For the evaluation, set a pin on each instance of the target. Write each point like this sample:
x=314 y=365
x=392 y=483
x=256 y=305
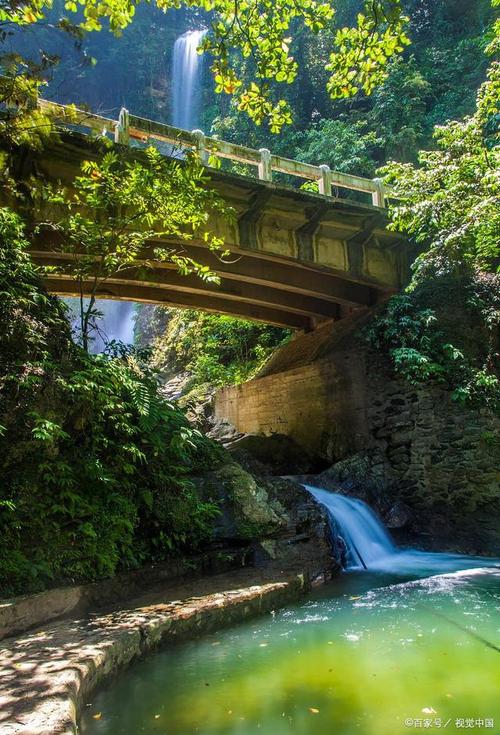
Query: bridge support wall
x=318 y=401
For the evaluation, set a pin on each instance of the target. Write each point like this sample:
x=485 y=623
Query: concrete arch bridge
x=299 y=259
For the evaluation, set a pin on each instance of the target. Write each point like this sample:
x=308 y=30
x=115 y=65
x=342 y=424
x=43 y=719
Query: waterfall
x=370 y=546
x=117 y=322
x=186 y=80
x=364 y=534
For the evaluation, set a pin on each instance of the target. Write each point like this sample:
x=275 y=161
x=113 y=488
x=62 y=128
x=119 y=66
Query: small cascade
x=368 y=542
x=187 y=65
x=369 y=545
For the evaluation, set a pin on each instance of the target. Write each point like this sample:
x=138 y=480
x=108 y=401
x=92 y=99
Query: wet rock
x=365 y=475
x=246 y=510
x=399 y=516
x=278 y=517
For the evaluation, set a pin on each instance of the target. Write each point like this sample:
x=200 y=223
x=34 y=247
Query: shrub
x=94 y=468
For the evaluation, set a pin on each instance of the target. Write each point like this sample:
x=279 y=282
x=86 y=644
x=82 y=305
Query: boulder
x=247 y=512
x=280 y=454
x=280 y=521
x=366 y=475
x=398 y=515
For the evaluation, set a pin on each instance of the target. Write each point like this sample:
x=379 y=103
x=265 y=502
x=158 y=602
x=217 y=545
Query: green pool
x=369 y=654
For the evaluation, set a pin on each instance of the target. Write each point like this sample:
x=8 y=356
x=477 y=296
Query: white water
x=370 y=545
x=117 y=322
x=187 y=66
x=365 y=536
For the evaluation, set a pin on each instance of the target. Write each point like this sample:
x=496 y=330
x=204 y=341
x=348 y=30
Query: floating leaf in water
x=314 y=711
x=263 y=645
x=97 y=716
x=157 y=717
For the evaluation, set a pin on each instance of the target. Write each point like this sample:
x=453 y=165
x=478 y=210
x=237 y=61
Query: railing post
x=122 y=127
x=200 y=146
x=325 y=182
x=378 y=196
x=265 y=170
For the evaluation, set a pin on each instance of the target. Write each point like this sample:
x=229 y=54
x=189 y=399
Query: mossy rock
x=247 y=511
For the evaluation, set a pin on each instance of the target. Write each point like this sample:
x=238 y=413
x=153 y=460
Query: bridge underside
x=297 y=259
x=250 y=288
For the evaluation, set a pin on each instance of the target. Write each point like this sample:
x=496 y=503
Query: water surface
x=369 y=654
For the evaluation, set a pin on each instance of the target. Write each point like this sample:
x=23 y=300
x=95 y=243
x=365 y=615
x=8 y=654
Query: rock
x=279 y=453
x=173 y=388
x=224 y=433
x=365 y=475
x=247 y=512
x=399 y=516
x=278 y=517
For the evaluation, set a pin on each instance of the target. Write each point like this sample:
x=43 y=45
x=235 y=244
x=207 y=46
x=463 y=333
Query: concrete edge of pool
x=47 y=674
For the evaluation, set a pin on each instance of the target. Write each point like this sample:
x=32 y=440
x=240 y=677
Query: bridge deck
x=298 y=258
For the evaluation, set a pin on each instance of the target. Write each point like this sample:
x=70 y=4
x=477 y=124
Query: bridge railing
x=133 y=128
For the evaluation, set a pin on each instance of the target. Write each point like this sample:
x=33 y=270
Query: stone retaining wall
x=22 y=613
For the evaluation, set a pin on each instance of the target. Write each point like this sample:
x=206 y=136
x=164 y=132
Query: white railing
x=132 y=128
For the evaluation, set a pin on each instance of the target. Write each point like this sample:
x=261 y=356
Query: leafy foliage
x=340 y=144
x=95 y=464
x=256 y=36
x=449 y=204
x=116 y=212
x=451 y=199
x=215 y=349
x=429 y=346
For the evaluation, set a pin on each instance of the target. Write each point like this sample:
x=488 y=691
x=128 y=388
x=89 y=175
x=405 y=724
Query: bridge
x=298 y=258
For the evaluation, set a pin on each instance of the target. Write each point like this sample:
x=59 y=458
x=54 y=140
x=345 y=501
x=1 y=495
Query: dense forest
x=95 y=463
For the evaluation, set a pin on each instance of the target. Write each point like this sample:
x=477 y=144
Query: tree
x=342 y=145
x=450 y=202
x=118 y=207
x=450 y=205
x=262 y=33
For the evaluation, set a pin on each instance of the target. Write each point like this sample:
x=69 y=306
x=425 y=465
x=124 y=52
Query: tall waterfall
x=187 y=65
x=117 y=322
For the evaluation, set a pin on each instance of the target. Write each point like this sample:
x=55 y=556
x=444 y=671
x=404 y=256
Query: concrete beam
x=151 y=294
x=251 y=268
x=231 y=290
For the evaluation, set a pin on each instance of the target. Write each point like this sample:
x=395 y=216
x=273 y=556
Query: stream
x=412 y=642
